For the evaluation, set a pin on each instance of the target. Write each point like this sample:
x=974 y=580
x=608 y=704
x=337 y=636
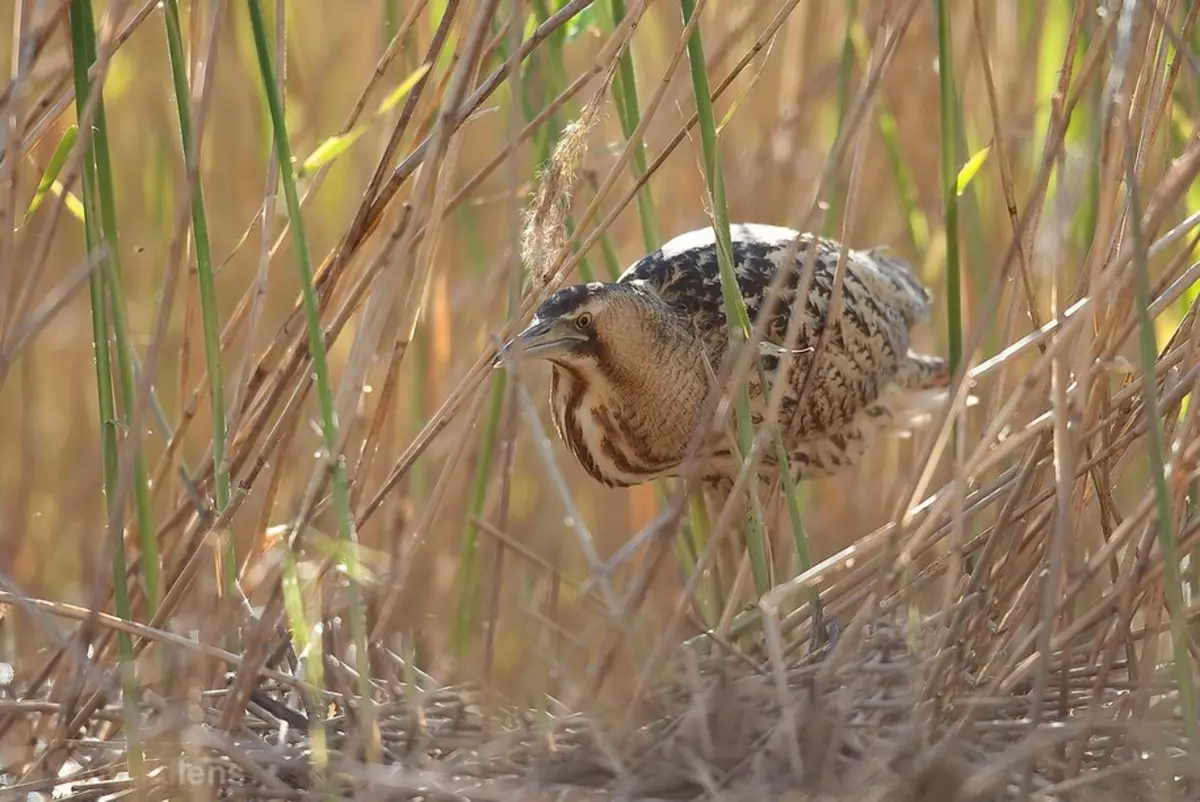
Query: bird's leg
x=825 y=631
x=731 y=550
x=718 y=491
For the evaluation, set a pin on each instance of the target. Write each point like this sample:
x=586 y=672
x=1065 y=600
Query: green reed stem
x=310 y=656
x=918 y=226
x=949 y=183
x=105 y=197
x=625 y=96
x=100 y=231
x=531 y=100
x=468 y=574
x=209 y=319
x=1156 y=449
x=736 y=318
x=82 y=59
x=625 y=93
x=391 y=18
x=972 y=217
x=842 y=99
x=320 y=362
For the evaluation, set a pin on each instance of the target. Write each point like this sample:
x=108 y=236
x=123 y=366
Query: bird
x=633 y=360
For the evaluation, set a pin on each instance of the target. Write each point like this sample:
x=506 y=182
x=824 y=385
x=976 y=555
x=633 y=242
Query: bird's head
x=582 y=325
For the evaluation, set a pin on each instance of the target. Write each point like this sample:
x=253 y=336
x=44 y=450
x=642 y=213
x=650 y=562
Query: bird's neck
x=657 y=384
x=667 y=377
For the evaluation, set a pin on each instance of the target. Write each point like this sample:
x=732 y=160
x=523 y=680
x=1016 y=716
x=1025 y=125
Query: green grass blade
x=81 y=59
x=50 y=177
x=333 y=147
x=968 y=171
x=468 y=573
x=401 y=91
x=329 y=150
x=738 y=320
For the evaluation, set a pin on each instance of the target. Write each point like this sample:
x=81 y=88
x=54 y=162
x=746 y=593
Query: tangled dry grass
x=847 y=722
x=1001 y=608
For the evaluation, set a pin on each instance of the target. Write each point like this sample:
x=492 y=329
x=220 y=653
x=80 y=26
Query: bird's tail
x=923 y=372
x=896 y=280
x=914 y=409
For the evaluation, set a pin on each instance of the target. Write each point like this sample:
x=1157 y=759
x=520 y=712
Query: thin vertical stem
x=209 y=318
x=320 y=365
x=737 y=321
x=949 y=183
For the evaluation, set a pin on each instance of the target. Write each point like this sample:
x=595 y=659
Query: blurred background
x=778 y=120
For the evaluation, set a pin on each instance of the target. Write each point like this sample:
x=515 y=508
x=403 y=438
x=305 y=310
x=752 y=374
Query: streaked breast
x=594 y=434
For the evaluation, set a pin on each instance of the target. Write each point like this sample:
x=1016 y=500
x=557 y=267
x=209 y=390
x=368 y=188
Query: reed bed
x=273 y=527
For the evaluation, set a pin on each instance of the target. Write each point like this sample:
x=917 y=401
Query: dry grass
x=1002 y=587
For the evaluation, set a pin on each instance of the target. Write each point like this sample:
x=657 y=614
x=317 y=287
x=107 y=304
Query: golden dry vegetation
x=1012 y=585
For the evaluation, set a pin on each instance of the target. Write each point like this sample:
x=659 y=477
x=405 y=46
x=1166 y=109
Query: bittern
x=633 y=361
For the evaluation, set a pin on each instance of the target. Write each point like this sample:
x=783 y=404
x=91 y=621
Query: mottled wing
x=893 y=281
x=881 y=300
x=685 y=273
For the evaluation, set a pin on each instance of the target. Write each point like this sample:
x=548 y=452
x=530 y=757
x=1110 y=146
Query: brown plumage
x=632 y=361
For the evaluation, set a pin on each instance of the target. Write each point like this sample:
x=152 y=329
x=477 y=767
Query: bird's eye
x=584 y=321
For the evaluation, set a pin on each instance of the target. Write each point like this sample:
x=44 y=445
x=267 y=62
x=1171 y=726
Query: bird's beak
x=542 y=339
